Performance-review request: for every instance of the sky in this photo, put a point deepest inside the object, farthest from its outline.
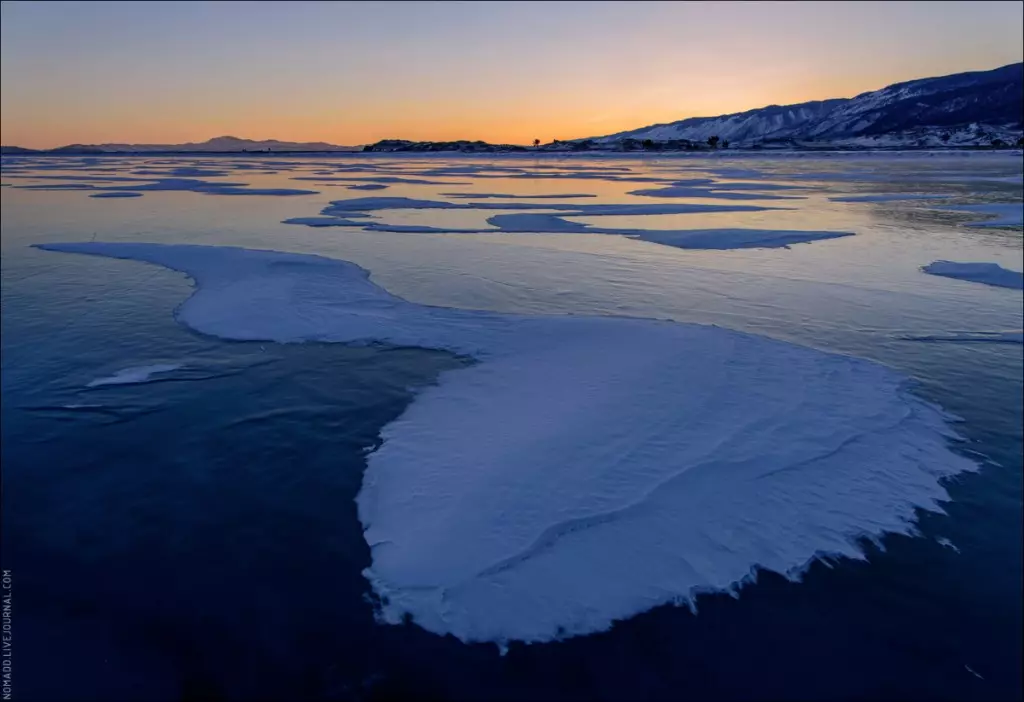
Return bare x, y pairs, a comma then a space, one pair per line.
505, 72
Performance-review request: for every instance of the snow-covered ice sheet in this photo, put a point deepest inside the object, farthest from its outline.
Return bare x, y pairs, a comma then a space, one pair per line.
987, 273
344, 208
587, 469
539, 223
326, 221
734, 238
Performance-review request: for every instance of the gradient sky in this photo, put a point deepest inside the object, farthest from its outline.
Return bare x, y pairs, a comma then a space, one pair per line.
353, 73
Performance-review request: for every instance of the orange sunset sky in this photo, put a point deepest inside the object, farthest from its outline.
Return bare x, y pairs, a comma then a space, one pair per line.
353, 73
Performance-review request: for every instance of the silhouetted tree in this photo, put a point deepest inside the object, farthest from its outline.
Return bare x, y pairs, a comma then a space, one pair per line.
998, 143
1020, 142
725, 143
536, 143
713, 142
648, 144
945, 137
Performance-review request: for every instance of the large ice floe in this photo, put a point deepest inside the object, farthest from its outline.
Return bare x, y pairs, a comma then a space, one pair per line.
542, 223
985, 273
345, 208
587, 469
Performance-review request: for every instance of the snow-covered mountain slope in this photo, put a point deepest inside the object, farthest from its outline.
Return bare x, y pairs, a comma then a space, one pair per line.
992, 102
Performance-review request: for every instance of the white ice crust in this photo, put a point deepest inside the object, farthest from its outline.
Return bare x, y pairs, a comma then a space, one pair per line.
134, 375
986, 273
587, 469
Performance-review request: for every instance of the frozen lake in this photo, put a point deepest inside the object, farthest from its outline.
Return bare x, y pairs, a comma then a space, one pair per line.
184, 480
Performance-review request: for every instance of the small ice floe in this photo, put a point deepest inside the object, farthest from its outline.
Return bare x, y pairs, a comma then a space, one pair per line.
985, 273
134, 375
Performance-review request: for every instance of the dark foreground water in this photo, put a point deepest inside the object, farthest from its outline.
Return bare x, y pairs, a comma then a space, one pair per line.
195, 537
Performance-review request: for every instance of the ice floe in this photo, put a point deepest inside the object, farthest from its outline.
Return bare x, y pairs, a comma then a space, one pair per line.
587, 469
539, 223
986, 273
372, 204
134, 375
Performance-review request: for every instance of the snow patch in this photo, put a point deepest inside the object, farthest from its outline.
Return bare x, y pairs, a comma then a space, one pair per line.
986, 273
134, 375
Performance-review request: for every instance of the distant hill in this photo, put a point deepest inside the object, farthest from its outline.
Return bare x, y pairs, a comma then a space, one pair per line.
460, 145
224, 144
17, 150
959, 110
976, 109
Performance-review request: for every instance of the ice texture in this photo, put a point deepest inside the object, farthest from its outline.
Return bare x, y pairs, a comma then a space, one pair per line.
1005, 337
372, 204
886, 197
734, 238
682, 191
134, 375
587, 469
176, 184
508, 196
539, 223
1006, 214
987, 273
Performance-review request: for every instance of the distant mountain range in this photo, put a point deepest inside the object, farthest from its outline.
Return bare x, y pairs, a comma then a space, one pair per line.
979, 109
224, 144
959, 110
